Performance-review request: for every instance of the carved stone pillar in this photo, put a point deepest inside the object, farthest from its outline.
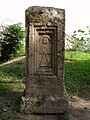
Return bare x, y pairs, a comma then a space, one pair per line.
45, 93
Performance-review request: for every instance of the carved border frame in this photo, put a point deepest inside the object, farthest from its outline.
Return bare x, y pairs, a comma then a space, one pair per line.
58, 29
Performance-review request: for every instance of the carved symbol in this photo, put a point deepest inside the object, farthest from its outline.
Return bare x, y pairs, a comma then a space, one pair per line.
45, 60
44, 51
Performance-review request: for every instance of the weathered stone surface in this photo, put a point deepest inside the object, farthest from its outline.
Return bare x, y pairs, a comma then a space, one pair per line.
45, 93
43, 117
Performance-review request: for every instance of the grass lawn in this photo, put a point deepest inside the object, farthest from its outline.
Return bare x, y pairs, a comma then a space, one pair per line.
77, 73
12, 78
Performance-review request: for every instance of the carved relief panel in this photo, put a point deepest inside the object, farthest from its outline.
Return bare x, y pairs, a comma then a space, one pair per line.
45, 53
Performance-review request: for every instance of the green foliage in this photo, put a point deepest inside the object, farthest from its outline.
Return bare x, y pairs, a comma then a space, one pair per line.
11, 40
21, 50
81, 40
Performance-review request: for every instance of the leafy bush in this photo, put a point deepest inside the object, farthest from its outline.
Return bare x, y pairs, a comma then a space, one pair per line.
11, 40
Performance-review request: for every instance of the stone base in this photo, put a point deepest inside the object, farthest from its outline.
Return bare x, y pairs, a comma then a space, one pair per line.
53, 110
50, 105
45, 117
45, 95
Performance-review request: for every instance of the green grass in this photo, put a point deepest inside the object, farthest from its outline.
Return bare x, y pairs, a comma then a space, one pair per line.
11, 87
12, 77
77, 73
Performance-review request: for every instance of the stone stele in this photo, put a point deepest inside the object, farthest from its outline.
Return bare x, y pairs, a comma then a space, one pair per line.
45, 93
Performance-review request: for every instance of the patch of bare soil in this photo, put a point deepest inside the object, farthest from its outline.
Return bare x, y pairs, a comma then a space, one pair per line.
79, 109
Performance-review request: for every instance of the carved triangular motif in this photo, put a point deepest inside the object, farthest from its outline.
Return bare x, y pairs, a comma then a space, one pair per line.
44, 61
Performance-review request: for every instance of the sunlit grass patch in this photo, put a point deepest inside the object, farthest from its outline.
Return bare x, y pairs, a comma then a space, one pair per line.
77, 72
77, 55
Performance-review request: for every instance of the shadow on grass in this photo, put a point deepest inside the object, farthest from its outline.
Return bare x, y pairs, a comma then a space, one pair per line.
9, 102
10, 99
77, 77
12, 76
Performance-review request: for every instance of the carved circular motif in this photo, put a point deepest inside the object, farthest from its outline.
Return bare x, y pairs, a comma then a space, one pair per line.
45, 39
